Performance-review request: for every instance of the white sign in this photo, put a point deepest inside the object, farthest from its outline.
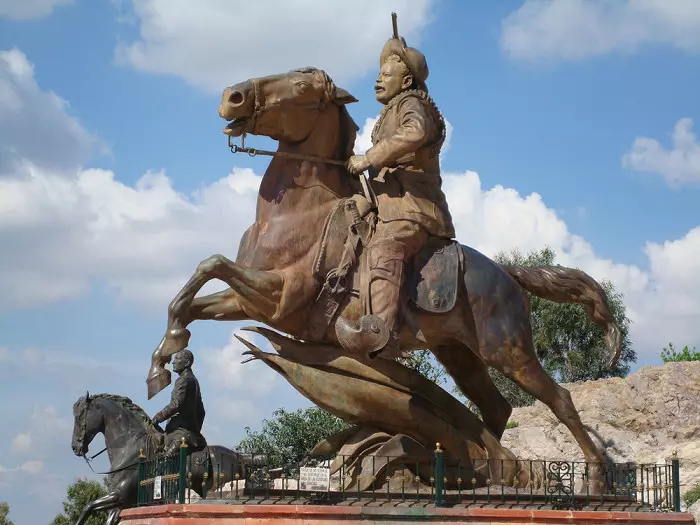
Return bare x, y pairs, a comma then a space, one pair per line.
157, 487
316, 479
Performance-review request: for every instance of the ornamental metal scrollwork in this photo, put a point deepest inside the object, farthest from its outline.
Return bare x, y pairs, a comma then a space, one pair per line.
560, 483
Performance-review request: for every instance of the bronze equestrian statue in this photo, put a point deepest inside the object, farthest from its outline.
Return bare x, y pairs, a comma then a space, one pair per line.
185, 410
303, 268
128, 433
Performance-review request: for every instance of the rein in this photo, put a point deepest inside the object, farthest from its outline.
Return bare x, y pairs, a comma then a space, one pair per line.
253, 152
120, 469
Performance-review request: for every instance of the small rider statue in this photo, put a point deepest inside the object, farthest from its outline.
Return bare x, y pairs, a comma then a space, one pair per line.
185, 410
404, 169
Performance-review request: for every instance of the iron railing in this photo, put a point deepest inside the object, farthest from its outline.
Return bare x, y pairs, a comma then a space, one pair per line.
163, 479
434, 478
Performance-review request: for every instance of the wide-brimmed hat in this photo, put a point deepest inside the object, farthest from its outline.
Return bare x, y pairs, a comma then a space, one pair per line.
414, 59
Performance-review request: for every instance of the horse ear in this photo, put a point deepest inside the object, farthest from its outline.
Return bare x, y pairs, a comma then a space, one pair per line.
87, 395
343, 97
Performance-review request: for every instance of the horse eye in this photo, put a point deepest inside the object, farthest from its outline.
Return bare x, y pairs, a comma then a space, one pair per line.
301, 85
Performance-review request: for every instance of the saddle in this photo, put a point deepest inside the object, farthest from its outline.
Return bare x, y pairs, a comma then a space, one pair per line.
432, 276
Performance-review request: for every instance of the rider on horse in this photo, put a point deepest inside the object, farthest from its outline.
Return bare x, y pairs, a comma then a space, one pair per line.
404, 167
185, 410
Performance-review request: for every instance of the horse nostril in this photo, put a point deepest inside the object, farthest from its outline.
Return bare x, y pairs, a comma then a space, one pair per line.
236, 98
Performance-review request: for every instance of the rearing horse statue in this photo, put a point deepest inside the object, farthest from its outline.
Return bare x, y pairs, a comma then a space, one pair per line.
275, 279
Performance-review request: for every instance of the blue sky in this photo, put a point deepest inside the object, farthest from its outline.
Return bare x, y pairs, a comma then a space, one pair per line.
571, 127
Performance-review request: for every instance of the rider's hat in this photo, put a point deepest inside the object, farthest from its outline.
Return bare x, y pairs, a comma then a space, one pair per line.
414, 59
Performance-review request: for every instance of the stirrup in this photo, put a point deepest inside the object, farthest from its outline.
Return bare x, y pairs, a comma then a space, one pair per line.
371, 336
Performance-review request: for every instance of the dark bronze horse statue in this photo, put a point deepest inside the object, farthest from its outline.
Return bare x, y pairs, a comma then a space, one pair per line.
128, 430
273, 282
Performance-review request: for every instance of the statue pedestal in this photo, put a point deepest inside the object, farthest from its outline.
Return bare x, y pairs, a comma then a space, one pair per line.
222, 514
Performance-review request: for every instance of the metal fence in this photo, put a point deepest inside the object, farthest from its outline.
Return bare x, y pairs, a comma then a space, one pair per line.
163, 479
432, 478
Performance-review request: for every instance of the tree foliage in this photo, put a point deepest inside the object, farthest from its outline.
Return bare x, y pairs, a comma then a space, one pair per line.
423, 362
4, 511
670, 355
79, 494
289, 436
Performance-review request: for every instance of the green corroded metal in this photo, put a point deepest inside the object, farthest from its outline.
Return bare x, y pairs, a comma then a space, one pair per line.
439, 476
182, 481
676, 481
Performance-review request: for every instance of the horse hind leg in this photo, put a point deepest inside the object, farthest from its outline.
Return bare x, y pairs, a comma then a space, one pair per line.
514, 356
471, 376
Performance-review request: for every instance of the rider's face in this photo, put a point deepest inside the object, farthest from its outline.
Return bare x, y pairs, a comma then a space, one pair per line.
179, 362
391, 81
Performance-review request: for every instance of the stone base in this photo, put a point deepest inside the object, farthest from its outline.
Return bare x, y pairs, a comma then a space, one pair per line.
347, 515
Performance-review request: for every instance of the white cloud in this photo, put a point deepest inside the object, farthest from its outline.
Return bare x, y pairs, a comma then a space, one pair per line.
32, 467
578, 29
214, 43
234, 410
226, 372
22, 443
35, 124
24, 9
143, 240
363, 141
679, 166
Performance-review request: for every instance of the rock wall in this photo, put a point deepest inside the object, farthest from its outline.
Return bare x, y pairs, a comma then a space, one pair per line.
643, 417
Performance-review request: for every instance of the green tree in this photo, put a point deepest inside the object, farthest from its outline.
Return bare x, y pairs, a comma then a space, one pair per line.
289, 436
423, 362
79, 494
4, 511
670, 355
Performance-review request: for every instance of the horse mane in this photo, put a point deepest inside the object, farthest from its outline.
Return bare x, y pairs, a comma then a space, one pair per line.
128, 405
348, 133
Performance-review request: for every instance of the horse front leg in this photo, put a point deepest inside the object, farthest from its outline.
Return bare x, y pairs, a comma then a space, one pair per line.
109, 501
254, 294
113, 517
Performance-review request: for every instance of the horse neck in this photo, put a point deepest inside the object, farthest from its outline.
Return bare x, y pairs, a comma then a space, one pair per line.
328, 181
124, 432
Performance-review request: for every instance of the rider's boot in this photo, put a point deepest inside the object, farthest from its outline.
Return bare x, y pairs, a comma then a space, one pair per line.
386, 264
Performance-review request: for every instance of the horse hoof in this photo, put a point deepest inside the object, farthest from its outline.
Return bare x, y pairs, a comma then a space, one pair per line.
157, 381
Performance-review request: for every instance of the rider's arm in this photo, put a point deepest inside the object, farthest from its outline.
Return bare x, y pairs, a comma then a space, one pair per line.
410, 135
176, 400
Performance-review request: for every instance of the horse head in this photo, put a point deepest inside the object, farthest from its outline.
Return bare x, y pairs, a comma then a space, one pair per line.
285, 107
87, 423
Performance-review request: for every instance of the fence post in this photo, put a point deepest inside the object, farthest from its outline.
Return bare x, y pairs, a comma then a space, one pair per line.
439, 476
139, 487
183, 472
676, 478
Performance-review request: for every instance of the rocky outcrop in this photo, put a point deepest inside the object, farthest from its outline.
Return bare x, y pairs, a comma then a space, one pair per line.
644, 418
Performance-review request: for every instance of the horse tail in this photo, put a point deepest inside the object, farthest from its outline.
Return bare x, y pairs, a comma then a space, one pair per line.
568, 285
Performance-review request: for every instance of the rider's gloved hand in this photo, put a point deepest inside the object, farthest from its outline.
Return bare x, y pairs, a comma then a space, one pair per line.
357, 164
